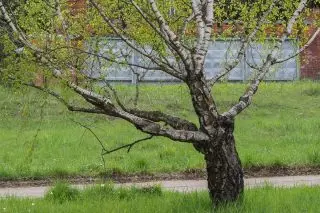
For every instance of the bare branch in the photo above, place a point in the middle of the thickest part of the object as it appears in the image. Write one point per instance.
(129, 146)
(173, 38)
(61, 99)
(314, 36)
(246, 99)
(197, 11)
(145, 125)
(115, 95)
(103, 149)
(92, 132)
(116, 61)
(244, 44)
(165, 67)
(105, 106)
(203, 11)
(174, 46)
(185, 25)
(92, 97)
(155, 28)
(157, 116)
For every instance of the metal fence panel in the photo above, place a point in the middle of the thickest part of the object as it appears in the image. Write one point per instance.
(279, 72)
(150, 75)
(219, 53)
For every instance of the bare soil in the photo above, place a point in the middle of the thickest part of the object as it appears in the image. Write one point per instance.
(194, 174)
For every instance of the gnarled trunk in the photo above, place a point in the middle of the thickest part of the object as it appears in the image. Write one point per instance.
(224, 170)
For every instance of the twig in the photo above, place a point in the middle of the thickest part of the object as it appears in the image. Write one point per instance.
(103, 149)
(130, 145)
(90, 130)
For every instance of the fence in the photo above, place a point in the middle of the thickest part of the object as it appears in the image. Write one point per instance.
(220, 52)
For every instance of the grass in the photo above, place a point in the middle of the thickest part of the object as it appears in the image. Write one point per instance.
(105, 198)
(38, 137)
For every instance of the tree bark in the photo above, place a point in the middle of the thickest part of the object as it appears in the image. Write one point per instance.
(224, 170)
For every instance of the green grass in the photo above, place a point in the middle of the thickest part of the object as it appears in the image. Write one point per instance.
(38, 138)
(106, 198)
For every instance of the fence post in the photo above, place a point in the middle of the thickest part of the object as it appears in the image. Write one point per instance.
(133, 75)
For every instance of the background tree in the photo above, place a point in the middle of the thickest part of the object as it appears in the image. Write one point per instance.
(172, 37)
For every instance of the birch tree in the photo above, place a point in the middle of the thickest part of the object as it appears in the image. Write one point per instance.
(54, 40)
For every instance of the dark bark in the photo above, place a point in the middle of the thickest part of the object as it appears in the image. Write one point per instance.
(224, 170)
(203, 103)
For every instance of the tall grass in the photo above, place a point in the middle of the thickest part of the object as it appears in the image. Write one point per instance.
(38, 137)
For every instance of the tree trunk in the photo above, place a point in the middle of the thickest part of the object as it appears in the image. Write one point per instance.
(224, 170)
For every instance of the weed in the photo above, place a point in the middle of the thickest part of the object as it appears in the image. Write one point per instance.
(62, 192)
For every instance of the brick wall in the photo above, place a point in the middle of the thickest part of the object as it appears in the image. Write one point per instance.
(310, 61)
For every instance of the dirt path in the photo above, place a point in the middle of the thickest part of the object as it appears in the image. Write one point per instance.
(192, 174)
(176, 185)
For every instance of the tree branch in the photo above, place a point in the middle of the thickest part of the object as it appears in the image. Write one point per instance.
(185, 25)
(162, 33)
(115, 61)
(158, 116)
(173, 38)
(203, 11)
(165, 67)
(62, 100)
(92, 132)
(314, 36)
(129, 146)
(103, 149)
(246, 99)
(244, 44)
(105, 105)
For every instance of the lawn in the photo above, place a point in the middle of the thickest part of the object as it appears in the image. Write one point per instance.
(105, 198)
(39, 137)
